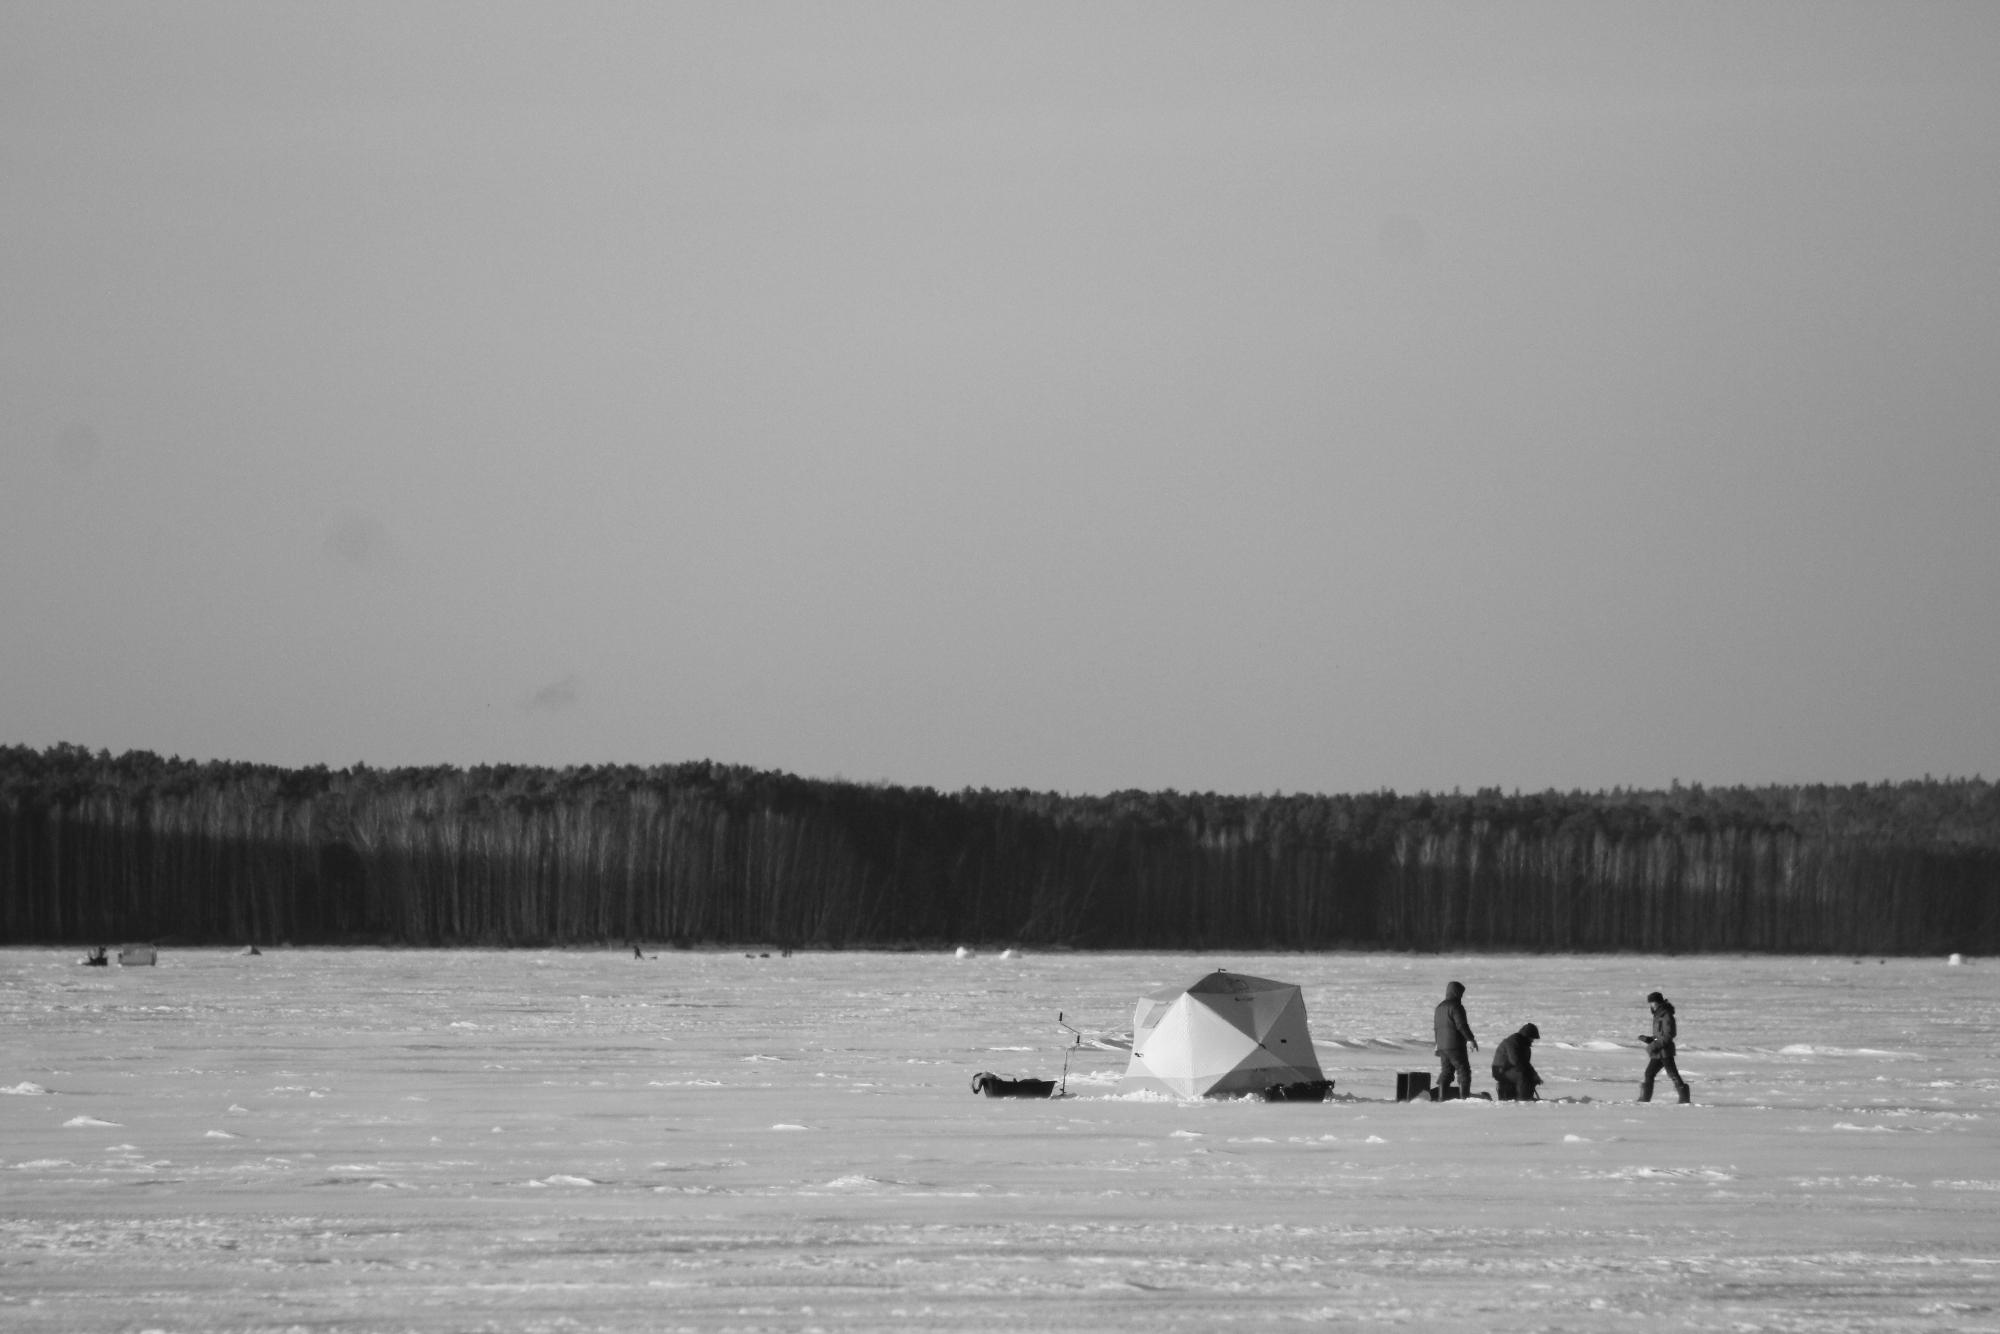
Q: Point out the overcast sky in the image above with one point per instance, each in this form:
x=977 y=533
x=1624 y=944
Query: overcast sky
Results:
x=1245 y=397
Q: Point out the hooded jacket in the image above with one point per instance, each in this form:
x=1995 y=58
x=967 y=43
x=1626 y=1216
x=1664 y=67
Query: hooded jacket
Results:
x=1449 y=1023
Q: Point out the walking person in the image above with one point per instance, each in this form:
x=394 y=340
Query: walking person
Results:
x=1660 y=1049
x=1514 y=1076
x=1454 y=1035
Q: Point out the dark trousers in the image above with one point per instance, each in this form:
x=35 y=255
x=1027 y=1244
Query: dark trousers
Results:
x=1664 y=1061
x=1453 y=1063
x=1514 y=1086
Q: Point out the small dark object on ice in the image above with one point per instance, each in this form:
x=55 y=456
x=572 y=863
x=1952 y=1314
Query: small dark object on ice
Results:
x=1304 y=1090
x=995 y=1087
x=1412 y=1084
x=98 y=958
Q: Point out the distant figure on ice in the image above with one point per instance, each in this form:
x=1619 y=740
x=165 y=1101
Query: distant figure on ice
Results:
x=637 y=953
x=1660 y=1048
x=99 y=957
x=1514 y=1073
x=1454 y=1035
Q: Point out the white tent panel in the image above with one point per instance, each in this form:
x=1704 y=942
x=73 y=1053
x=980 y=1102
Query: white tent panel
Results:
x=1214 y=1045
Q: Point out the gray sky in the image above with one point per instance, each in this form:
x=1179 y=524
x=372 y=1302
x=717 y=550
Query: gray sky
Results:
x=1249 y=397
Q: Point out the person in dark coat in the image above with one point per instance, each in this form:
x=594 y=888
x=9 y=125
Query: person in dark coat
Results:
x=1514 y=1065
x=1454 y=1035
x=1660 y=1049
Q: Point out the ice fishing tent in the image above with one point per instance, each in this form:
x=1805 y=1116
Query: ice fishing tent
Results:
x=1226 y=1034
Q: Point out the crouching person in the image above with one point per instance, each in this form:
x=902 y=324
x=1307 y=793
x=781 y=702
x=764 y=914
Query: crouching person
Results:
x=1514 y=1066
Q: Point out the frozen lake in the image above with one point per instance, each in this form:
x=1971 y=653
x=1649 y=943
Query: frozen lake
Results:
x=405 y=1140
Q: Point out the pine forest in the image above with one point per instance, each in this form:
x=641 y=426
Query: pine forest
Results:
x=97 y=848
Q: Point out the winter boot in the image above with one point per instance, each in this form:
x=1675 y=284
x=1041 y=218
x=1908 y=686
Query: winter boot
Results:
x=1646 y=1091
x=1687 y=1095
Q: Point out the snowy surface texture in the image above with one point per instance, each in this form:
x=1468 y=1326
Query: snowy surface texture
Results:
x=362 y=1140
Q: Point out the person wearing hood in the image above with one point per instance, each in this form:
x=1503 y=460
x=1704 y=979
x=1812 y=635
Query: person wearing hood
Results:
x=1660 y=1049
x=1514 y=1073
x=1454 y=1035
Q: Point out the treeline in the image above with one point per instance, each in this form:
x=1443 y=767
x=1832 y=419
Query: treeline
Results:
x=100 y=848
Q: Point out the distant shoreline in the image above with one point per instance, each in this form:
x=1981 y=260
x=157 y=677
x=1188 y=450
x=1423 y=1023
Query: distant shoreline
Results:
x=96 y=848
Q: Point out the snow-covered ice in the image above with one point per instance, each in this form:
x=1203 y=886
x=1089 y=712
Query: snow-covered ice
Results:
x=583 y=1141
